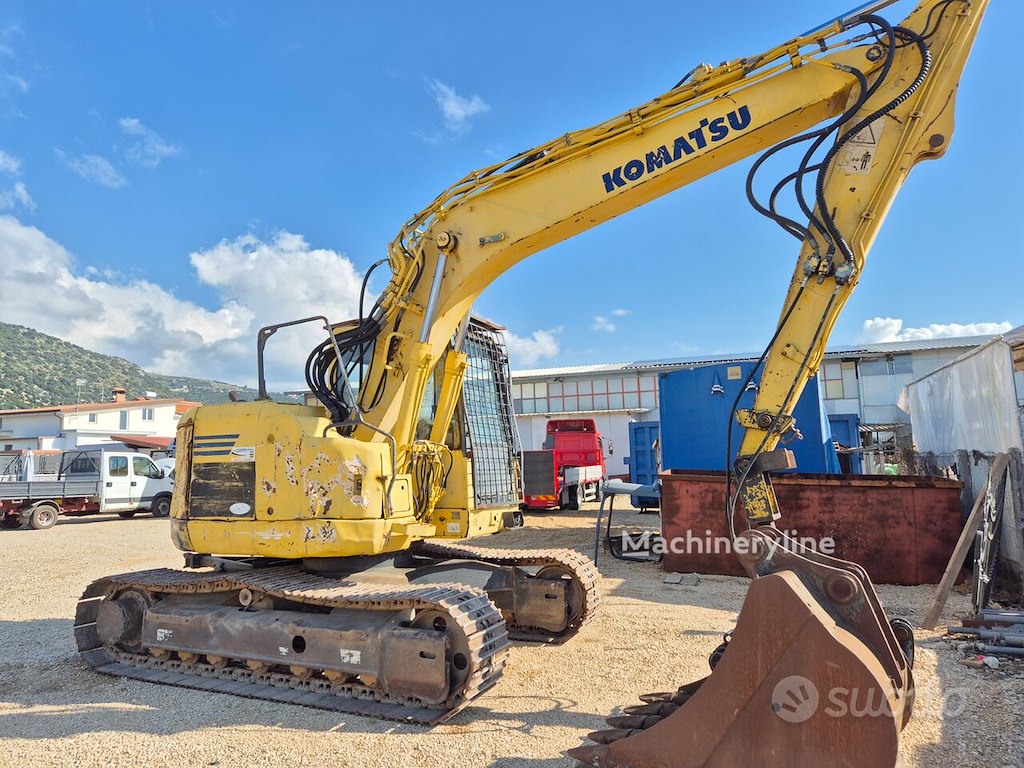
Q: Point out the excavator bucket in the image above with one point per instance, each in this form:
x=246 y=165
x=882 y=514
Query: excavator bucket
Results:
x=812 y=676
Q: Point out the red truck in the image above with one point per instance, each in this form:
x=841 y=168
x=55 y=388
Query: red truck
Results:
x=568 y=470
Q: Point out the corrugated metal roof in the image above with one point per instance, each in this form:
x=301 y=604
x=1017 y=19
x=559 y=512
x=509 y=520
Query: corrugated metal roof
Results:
x=1014 y=339
x=859 y=350
x=919 y=345
x=603 y=412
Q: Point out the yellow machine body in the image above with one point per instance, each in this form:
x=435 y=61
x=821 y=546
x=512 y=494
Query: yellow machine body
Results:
x=266 y=481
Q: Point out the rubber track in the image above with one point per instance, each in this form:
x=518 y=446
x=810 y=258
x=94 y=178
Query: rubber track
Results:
x=581 y=567
x=470 y=608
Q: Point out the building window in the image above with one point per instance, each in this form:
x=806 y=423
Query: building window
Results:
x=890 y=366
x=92 y=418
x=123 y=422
x=147 y=414
x=833 y=375
x=840 y=379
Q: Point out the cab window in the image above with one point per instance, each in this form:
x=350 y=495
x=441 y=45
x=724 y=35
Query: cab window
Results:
x=143 y=467
x=118 y=466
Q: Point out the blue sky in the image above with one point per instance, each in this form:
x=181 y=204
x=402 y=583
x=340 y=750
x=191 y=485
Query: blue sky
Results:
x=175 y=175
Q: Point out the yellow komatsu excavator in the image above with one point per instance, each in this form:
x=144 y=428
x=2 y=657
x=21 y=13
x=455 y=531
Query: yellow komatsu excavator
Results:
x=334 y=530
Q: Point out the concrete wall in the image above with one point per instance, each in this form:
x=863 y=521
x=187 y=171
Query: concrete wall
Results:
x=24 y=431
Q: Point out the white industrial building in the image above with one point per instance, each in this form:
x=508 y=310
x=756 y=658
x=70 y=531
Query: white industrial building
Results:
x=861 y=383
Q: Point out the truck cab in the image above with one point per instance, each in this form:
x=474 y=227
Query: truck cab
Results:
x=568 y=470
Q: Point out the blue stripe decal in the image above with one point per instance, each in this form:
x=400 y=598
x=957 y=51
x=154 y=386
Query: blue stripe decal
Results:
x=215 y=437
x=214 y=445
x=211 y=453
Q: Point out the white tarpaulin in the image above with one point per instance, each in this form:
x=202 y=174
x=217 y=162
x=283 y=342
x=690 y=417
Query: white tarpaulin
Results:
x=969 y=404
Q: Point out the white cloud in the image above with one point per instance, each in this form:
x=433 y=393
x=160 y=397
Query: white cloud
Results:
x=883 y=329
x=8 y=50
x=257 y=283
x=16 y=196
x=620 y=312
x=9 y=164
x=149 y=149
x=457 y=110
x=7 y=33
x=93 y=168
x=528 y=351
x=602 y=324
x=18 y=82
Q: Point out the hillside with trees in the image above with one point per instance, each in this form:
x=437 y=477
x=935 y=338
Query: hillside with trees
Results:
x=37 y=370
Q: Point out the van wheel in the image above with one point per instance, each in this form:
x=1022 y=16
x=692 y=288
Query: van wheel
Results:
x=126 y=515
x=43 y=516
x=161 y=506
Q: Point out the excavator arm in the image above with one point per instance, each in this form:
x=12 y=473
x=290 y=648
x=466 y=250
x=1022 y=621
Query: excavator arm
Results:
x=909 y=118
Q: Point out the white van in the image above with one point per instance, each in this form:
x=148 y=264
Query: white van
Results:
x=91 y=481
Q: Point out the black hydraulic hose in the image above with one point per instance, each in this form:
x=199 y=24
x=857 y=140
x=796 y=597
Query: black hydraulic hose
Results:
x=366 y=280
x=940 y=7
x=798 y=230
x=791 y=226
x=831 y=228
x=865 y=94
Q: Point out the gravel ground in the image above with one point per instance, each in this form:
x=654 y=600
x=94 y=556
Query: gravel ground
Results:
x=649 y=636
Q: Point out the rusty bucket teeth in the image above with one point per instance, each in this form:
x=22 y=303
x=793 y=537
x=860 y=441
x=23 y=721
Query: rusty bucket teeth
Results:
x=662 y=709
x=656 y=698
x=589 y=755
x=607 y=737
x=678 y=697
x=634 y=722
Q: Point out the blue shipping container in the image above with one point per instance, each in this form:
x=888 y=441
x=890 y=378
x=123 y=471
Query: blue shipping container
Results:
x=643 y=459
x=695 y=407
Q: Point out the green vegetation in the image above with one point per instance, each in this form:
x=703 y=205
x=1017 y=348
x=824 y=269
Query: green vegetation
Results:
x=37 y=371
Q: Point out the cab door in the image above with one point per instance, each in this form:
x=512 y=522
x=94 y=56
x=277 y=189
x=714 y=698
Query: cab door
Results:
x=117 y=486
x=146 y=478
